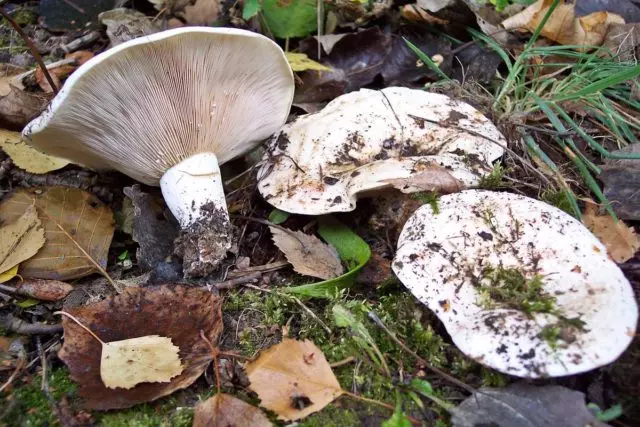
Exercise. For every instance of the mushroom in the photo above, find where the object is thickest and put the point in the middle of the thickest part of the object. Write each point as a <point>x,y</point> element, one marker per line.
<point>167,109</point>
<point>366,141</point>
<point>520,286</point>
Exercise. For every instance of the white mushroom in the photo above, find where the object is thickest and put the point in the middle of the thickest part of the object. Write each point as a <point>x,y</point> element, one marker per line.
<point>322,162</point>
<point>168,109</point>
<point>521,286</point>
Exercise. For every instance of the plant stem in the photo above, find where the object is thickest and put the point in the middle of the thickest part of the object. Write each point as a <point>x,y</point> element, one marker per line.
<point>377,402</point>
<point>64,313</point>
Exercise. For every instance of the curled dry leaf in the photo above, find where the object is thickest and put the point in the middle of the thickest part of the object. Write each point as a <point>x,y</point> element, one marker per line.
<point>563,25</point>
<point>26,157</point>
<point>307,254</point>
<point>620,239</point>
<point>17,106</point>
<point>20,239</point>
<point>293,379</point>
<point>223,410</point>
<point>44,290</point>
<point>76,223</point>
<point>432,178</point>
<point>175,312</point>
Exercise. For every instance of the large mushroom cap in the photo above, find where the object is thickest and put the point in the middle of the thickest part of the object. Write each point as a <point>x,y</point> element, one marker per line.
<point>583,316</point>
<point>151,102</point>
<point>321,162</point>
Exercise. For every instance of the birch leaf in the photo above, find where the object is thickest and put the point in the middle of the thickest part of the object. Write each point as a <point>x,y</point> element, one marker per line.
<point>21,239</point>
<point>26,157</point>
<point>224,410</point>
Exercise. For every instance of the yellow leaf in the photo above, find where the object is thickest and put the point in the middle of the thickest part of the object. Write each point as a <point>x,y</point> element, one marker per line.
<point>293,379</point>
<point>621,241</point>
<point>20,239</point>
<point>9,274</point>
<point>129,362</point>
<point>301,62</point>
<point>26,157</point>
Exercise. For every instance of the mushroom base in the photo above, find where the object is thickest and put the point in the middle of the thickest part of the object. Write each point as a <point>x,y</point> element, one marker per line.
<point>204,244</point>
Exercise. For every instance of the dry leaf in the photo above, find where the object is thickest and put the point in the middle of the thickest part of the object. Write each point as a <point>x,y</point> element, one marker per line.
<point>62,72</point>
<point>301,62</point>
<point>17,106</point>
<point>127,363</point>
<point>21,239</point>
<point>202,12</point>
<point>9,274</point>
<point>621,241</point>
<point>44,290</point>
<point>563,25</point>
<point>176,312</point>
<point>224,410</point>
<point>72,219</point>
<point>293,379</point>
<point>432,178</point>
<point>26,157</point>
<point>307,254</point>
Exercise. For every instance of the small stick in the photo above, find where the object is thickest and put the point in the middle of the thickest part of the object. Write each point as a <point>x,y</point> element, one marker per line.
<point>13,376</point>
<point>232,283</point>
<point>343,362</point>
<point>64,313</point>
<point>19,326</point>
<point>32,48</point>
<point>260,268</point>
<point>215,353</point>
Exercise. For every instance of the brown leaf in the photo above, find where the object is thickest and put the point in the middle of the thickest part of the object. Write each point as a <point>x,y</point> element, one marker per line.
<point>17,106</point>
<point>202,12</point>
<point>293,379</point>
<point>175,312</point>
<point>26,157</point>
<point>621,241</point>
<point>44,290</point>
<point>22,237</point>
<point>224,410</point>
<point>432,178</point>
<point>72,219</point>
<point>307,254</point>
<point>62,72</point>
<point>563,25</point>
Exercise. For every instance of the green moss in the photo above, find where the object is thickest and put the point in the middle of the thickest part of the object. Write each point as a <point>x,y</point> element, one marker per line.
<point>25,16</point>
<point>166,413</point>
<point>560,199</point>
<point>430,197</point>
<point>30,405</point>
<point>495,179</point>
<point>332,416</point>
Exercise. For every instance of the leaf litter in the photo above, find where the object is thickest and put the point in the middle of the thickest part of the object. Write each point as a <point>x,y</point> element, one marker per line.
<point>21,239</point>
<point>224,410</point>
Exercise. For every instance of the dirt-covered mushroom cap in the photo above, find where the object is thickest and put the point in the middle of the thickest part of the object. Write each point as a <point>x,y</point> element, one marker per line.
<point>521,286</point>
<point>322,162</point>
<point>167,109</point>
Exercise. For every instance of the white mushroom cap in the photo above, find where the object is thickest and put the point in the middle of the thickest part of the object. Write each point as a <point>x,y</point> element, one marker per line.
<point>321,162</point>
<point>443,259</point>
<point>149,103</point>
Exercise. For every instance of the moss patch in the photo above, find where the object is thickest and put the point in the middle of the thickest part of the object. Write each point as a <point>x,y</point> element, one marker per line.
<point>166,413</point>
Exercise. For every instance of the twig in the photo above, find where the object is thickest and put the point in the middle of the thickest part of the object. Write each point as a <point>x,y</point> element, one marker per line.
<point>343,362</point>
<point>426,364</point>
<point>232,283</point>
<point>215,353</point>
<point>44,386</point>
<point>25,328</point>
<point>260,268</point>
<point>270,224</point>
<point>13,376</point>
<point>231,354</point>
<point>32,48</point>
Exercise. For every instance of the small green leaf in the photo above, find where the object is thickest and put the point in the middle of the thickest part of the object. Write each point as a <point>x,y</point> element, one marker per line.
<point>353,251</point>
<point>278,217</point>
<point>124,255</point>
<point>608,414</point>
<point>398,419</point>
<point>290,18</point>
<point>422,386</point>
<point>251,9</point>
<point>29,302</point>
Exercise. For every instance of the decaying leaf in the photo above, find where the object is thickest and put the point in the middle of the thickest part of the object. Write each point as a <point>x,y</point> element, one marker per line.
<point>21,238</point>
<point>127,363</point>
<point>307,254</point>
<point>62,72</point>
<point>26,157</point>
<point>202,12</point>
<point>18,106</point>
<point>126,24</point>
<point>44,290</point>
<point>563,25</point>
<point>74,221</point>
<point>224,410</point>
<point>621,241</point>
<point>293,379</point>
<point>622,183</point>
<point>301,62</point>
<point>66,15</point>
<point>525,405</point>
<point>175,312</point>
<point>432,178</point>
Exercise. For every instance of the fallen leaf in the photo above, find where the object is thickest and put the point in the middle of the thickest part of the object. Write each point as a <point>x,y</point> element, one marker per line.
<point>66,15</point>
<point>435,5</point>
<point>154,227</point>
<point>21,238</point>
<point>307,254</point>
<point>293,18</point>
<point>26,157</point>
<point>414,13</point>
<point>202,12</point>
<point>224,410</point>
<point>126,24</point>
<point>523,404</point>
<point>621,180</point>
<point>175,312</point>
<point>621,241</point>
<point>433,178</point>
<point>301,62</point>
<point>563,26</point>
<point>17,106</point>
<point>74,221</point>
<point>44,290</point>
<point>9,274</point>
<point>127,363</point>
<point>293,379</point>
<point>629,10</point>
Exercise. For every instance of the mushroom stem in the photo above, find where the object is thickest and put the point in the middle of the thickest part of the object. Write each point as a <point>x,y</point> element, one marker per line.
<point>191,185</point>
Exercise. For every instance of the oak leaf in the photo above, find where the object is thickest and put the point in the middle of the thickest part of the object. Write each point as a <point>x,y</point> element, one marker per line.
<point>20,239</point>
<point>26,157</point>
<point>178,313</point>
<point>76,224</point>
<point>307,254</point>
<point>620,239</point>
<point>223,410</point>
<point>293,379</point>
